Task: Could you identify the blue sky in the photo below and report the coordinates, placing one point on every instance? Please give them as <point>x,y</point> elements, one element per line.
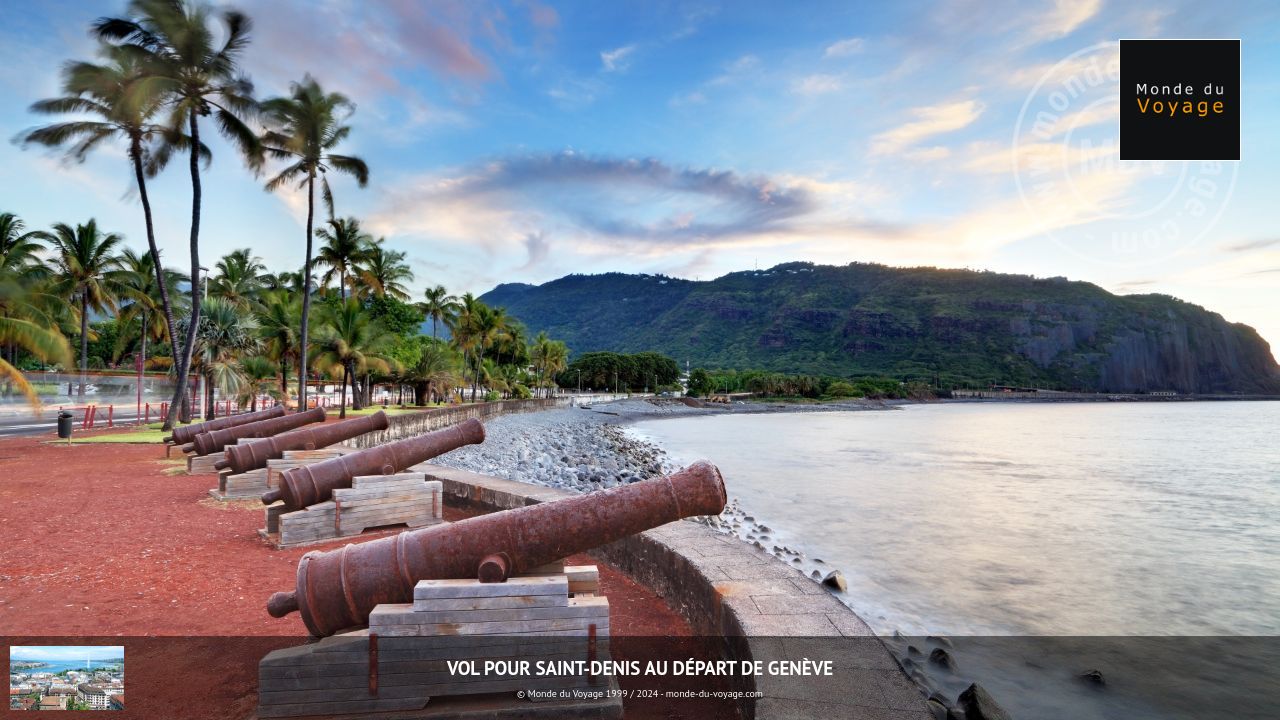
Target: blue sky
<point>522,141</point>
<point>65,653</point>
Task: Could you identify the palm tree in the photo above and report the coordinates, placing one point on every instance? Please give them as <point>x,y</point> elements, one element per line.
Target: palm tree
<point>352,341</point>
<point>440,306</point>
<point>465,331</point>
<point>278,317</point>
<point>139,294</point>
<point>239,277</point>
<point>125,104</point>
<point>304,129</point>
<point>20,249</point>
<point>19,262</point>
<point>549,357</point>
<point>24,325</point>
<point>225,334</point>
<point>435,373</point>
<point>87,271</point>
<point>197,78</point>
<point>259,374</point>
<point>383,272</point>
<point>342,253</point>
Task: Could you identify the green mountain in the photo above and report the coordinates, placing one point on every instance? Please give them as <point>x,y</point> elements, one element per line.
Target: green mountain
<point>963,327</point>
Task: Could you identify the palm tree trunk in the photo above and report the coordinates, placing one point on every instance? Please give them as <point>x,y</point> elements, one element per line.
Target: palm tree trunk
<point>189,344</point>
<point>135,152</point>
<point>355,390</point>
<point>342,285</point>
<point>284,377</point>
<point>342,411</point>
<point>84,339</point>
<point>210,411</point>
<point>306,296</point>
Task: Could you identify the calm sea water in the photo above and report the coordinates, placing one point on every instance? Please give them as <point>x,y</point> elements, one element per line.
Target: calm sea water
<point>1019,520</point>
<point>1063,519</point>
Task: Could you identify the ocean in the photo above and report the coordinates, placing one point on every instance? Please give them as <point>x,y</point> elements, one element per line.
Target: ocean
<point>1007,526</point>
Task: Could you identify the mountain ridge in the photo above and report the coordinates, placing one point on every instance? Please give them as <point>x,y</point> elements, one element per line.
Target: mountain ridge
<point>963,327</point>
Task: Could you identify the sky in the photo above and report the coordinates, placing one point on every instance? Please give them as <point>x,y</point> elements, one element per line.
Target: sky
<point>522,141</point>
<point>65,653</point>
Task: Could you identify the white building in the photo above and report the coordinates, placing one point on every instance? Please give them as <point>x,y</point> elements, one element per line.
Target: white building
<point>93,696</point>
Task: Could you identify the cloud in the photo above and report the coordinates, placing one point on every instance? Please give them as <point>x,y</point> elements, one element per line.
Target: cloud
<point>1250,245</point>
<point>616,60</point>
<point>844,48</point>
<point>930,120</point>
<point>1064,18</point>
<point>538,247</point>
<point>818,84</point>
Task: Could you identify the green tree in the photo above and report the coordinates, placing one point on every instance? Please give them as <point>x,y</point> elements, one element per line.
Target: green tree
<point>700,384</point>
<point>439,306</point>
<point>383,273</point>
<point>198,78</point>
<point>345,248</point>
<point>304,129</point>
<point>259,374</point>
<point>141,316</point>
<point>436,371</point>
<point>350,340</point>
<point>24,325</point>
<point>239,278</point>
<point>87,271</point>
<point>226,333</point>
<point>279,315</point>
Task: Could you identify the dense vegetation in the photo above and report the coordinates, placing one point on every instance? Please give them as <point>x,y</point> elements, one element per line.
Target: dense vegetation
<point>948,328</point>
<point>646,371</point>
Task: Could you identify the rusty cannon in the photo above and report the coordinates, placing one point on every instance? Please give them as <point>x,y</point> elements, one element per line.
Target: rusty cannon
<point>211,442</point>
<point>311,484</point>
<point>253,455</point>
<point>338,589</point>
<point>184,434</point>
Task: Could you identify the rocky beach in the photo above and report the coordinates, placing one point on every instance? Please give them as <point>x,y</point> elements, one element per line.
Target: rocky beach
<point>587,448</point>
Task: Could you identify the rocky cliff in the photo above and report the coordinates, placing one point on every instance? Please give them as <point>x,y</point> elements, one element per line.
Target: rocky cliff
<point>957,326</point>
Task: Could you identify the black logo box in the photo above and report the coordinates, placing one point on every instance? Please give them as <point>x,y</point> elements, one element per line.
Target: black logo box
<point>1185,68</point>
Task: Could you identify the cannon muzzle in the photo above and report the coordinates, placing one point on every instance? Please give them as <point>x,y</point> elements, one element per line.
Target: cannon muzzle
<point>211,442</point>
<point>253,455</point>
<point>314,483</point>
<point>339,588</point>
<point>185,433</point>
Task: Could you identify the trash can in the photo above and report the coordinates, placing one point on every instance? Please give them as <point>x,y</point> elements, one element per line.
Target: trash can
<point>64,425</point>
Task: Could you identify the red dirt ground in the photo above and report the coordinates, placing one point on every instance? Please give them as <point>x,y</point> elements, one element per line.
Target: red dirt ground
<point>98,540</point>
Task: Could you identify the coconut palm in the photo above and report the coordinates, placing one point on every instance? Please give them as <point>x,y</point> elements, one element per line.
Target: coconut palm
<point>139,303</point>
<point>278,317</point>
<point>384,272</point>
<point>198,77</point>
<point>24,325</point>
<point>226,333</point>
<point>549,357</point>
<point>239,277</point>
<point>19,262</point>
<point>87,271</point>
<point>20,249</point>
<point>350,340</point>
<point>124,105</point>
<point>440,306</point>
<point>343,251</point>
<point>304,129</point>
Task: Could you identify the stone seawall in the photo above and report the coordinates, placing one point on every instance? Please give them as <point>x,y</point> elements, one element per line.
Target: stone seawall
<point>759,606</point>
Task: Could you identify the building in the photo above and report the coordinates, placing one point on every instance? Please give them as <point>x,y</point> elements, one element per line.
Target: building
<point>117,702</point>
<point>22,703</point>
<point>93,696</point>
<point>53,702</point>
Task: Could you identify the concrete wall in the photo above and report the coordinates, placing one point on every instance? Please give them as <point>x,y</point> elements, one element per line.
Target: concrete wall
<point>758,605</point>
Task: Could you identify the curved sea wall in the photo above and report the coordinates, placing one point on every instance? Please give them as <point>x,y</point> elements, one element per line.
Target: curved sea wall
<point>757,605</point>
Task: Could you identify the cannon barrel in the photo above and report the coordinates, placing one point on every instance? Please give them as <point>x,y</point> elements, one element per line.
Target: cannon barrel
<point>253,455</point>
<point>339,588</point>
<point>314,483</point>
<point>215,441</point>
<point>183,434</point>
